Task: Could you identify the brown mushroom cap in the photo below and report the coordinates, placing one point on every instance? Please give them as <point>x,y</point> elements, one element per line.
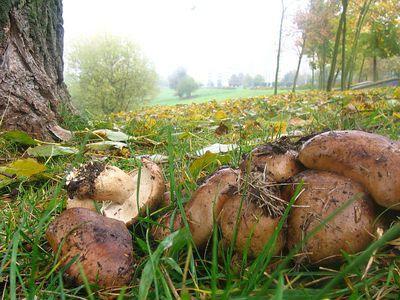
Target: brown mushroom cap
<point>277,162</point>
<point>324,192</point>
<point>370,159</point>
<point>161,231</point>
<point>203,208</point>
<point>103,247</point>
<point>133,193</point>
<point>206,204</point>
<point>253,224</point>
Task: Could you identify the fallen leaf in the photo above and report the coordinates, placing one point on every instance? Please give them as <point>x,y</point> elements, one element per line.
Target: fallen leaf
<point>106,145</point>
<point>217,148</point>
<point>220,115</point>
<point>156,158</point>
<point>209,161</point>
<point>115,136</point>
<point>61,133</point>
<point>19,137</point>
<point>50,151</point>
<point>25,167</point>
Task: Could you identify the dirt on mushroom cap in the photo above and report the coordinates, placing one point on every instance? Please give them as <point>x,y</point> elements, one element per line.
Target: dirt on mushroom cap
<point>103,247</point>
<point>277,159</point>
<point>122,196</point>
<point>82,181</point>
<point>263,192</point>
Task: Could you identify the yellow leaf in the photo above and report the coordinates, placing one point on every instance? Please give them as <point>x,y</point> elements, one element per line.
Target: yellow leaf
<point>396,115</point>
<point>279,127</point>
<point>219,115</point>
<point>25,167</point>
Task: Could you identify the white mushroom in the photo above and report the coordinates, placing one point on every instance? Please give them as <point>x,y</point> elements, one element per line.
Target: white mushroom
<point>121,196</point>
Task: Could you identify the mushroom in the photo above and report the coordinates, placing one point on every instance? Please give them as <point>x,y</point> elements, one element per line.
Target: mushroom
<point>277,160</point>
<point>350,230</point>
<point>256,207</point>
<point>370,159</point>
<point>203,208</point>
<point>120,195</point>
<point>101,246</point>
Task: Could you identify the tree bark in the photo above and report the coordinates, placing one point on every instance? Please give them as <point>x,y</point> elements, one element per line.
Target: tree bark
<point>32,85</point>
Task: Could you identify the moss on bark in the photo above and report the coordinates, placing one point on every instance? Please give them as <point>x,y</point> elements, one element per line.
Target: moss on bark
<point>5,6</point>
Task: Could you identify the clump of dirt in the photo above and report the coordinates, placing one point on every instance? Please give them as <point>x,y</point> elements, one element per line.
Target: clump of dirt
<point>264,192</point>
<point>280,146</point>
<point>82,181</point>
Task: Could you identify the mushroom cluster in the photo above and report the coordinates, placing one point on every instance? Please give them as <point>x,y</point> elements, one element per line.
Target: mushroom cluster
<point>342,174</point>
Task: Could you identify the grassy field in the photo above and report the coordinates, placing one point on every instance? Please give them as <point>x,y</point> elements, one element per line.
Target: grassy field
<point>167,96</point>
<point>32,194</point>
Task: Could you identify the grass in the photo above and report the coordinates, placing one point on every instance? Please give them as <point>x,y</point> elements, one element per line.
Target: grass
<point>175,268</point>
<point>167,96</point>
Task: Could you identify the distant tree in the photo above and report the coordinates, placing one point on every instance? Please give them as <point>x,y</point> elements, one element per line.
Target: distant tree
<point>186,86</point>
<point>108,74</point>
<point>391,66</point>
<point>258,81</point>
<point>382,38</point>
<point>210,84</point>
<point>301,23</point>
<point>241,79</point>
<point>319,23</point>
<point>219,83</point>
<point>301,53</point>
<point>248,81</point>
<point>234,81</point>
<point>176,77</point>
<point>288,79</point>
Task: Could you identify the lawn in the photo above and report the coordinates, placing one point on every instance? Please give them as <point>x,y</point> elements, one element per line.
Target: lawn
<point>167,96</point>
<point>32,195</point>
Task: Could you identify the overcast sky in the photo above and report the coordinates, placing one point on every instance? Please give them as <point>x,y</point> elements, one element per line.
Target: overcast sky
<point>207,37</point>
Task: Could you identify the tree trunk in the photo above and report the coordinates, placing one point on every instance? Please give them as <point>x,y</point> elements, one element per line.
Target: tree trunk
<point>336,76</point>
<point>352,59</point>
<point>344,20</point>
<point>375,68</point>
<point>32,86</point>
<point>361,69</point>
<point>330,82</point>
<point>279,50</point>
<point>299,63</point>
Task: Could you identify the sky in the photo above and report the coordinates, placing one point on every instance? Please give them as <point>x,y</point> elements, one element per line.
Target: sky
<point>209,38</point>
